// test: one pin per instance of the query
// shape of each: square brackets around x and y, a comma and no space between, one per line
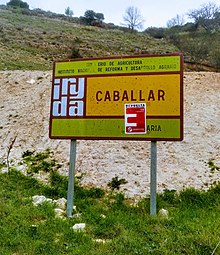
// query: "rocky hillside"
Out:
[24,108]
[32,42]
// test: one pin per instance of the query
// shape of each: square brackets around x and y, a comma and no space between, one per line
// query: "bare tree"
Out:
[177,21]
[205,16]
[133,18]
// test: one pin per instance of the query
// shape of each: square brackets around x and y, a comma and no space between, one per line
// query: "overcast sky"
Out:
[156,13]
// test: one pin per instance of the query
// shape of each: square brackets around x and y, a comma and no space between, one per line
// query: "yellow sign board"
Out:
[89,98]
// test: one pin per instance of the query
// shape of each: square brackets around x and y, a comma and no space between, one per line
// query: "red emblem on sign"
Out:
[135,118]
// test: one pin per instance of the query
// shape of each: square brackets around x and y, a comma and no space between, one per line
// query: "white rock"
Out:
[4,170]
[49,200]
[61,203]
[77,215]
[21,168]
[99,240]
[31,81]
[163,213]
[59,213]
[37,200]
[79,226]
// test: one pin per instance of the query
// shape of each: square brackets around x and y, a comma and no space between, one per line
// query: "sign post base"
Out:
[153,179]
[70,194]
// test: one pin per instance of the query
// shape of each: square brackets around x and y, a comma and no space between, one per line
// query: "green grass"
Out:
[192,226]
[33,43]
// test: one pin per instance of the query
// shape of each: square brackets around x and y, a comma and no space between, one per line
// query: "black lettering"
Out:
[101,63]
[161,95]
[135,68]
[132,96]
[155,128]
[107,96]
[125,96]
[151,95]
[97,96]
[116,96]
[140,96]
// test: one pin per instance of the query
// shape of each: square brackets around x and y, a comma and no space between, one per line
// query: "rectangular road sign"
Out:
[90,97]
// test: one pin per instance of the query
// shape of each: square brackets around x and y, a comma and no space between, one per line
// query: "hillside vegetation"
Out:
[33,39]
[33,42]
[113,225]
[200,47]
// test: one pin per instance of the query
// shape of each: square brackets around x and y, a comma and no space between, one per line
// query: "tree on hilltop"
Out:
[177,21]
[68,12]
[90,17]
[206,16]
[18,4]
[133,18]
[99,17]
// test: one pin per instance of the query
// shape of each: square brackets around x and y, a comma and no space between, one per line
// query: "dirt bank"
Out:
[24,109]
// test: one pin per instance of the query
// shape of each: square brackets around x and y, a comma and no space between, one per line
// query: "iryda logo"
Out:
[68,97]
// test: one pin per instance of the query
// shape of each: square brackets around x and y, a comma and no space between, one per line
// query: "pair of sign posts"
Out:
[118,98]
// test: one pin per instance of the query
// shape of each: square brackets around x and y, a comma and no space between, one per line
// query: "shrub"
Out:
[18,4]
[75,53]
[193,197]
[115,183]
[156,32]
[215,57]
[92,18]
[39,161]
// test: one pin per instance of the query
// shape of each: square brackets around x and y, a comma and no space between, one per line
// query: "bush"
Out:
[193,197]
[156,32]
[75,53]
[92,18]
[18,4]
[215,57]
[115,183]
[39,161]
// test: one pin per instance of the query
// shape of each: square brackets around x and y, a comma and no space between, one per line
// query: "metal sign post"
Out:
[70,194]
[153,179]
